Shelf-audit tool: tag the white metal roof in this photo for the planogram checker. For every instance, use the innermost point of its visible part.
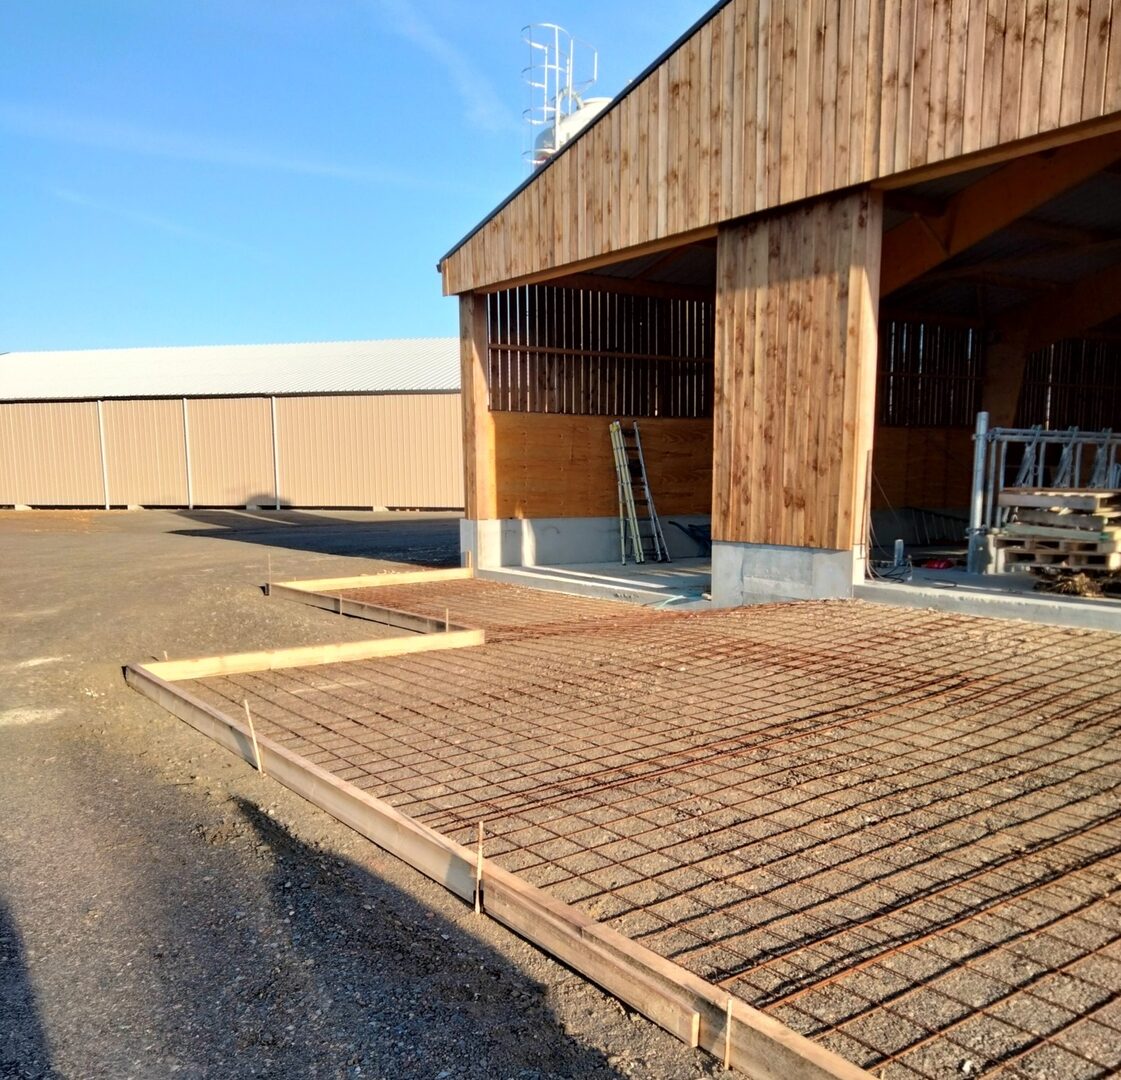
(318, 367)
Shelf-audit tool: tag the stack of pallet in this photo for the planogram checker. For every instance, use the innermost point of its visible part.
(1075, 529)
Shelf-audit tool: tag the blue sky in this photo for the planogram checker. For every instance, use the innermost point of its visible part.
(209, 171)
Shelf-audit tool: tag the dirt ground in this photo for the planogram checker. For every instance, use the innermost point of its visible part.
(164, 910)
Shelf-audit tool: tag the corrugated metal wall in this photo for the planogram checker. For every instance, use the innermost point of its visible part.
(334, 450)
(231, 452)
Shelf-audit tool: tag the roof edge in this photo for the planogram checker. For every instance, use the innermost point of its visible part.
(649, 70)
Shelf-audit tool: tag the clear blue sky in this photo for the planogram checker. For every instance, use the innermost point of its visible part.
(207, 171)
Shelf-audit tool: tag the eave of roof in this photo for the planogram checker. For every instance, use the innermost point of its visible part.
(621, 96)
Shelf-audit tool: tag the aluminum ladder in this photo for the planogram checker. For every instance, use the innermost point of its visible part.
(635, 497)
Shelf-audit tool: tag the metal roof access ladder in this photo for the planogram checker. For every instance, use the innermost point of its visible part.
(647, 540)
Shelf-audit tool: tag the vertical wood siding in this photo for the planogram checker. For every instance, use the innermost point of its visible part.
(772, 101)
(593, 352)
(551, 465)
(346, 450)
(796, 373)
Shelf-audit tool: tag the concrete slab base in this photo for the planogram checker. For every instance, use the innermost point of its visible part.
(996, 601)
(682, 583)
(765, 573)
(493, 543)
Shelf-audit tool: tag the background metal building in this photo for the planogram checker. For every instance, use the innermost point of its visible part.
(325, 424)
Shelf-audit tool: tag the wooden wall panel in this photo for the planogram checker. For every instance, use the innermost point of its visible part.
(773, 101)
(930, 468)
(561, 466)
(796, 373)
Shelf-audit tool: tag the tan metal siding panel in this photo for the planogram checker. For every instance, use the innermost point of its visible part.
(231, 451)
(145, 452)
(371, 450)
(50, 454)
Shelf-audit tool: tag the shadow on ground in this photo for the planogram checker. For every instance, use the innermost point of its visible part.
(384, 986)
(432, 541)
(24, 1053)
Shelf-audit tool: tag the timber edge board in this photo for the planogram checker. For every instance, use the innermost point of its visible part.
(685, 1005)
(327, 594)
(306, 655)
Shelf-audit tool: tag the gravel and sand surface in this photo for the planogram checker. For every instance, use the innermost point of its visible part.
(164, 911)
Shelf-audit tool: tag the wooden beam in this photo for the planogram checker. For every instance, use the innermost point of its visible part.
(1061, 234)
(755, 1044)
(992, 271)
(311, 655)
(993, 202)
(636, 287)
(478, 425)
(580, 266)
(1090, 301)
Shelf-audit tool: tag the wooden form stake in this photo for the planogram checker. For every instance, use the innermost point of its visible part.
(695, 1031)
(728, 1036)
(479, 874)
(253, 736)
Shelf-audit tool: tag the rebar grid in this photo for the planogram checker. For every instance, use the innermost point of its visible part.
(498, 608)
(898, 832)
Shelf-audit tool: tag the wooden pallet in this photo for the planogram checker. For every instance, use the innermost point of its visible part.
(1024, 558)
(1086, 500)
(1067, 519)
(1105, 539)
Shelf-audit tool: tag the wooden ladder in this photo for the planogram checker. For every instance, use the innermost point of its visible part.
(635, 498)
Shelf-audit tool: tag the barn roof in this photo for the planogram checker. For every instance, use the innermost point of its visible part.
(317, 367)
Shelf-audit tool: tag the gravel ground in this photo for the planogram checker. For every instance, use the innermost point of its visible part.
(164, 910)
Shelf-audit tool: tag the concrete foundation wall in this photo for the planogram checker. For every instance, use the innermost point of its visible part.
(559, 541)
(764, 573)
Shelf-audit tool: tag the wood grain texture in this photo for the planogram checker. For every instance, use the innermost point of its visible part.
(922, 467)
(795, 373)
(478, 427)
(772, 101)
(561, 466)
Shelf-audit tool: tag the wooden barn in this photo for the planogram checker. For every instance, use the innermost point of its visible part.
(804, 249)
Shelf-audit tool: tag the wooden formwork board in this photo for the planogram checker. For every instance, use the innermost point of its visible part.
(694, 1010)
(326, 593)
(309, 655)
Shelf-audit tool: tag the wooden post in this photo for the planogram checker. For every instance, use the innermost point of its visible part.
(478, 426)
(796, 347)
